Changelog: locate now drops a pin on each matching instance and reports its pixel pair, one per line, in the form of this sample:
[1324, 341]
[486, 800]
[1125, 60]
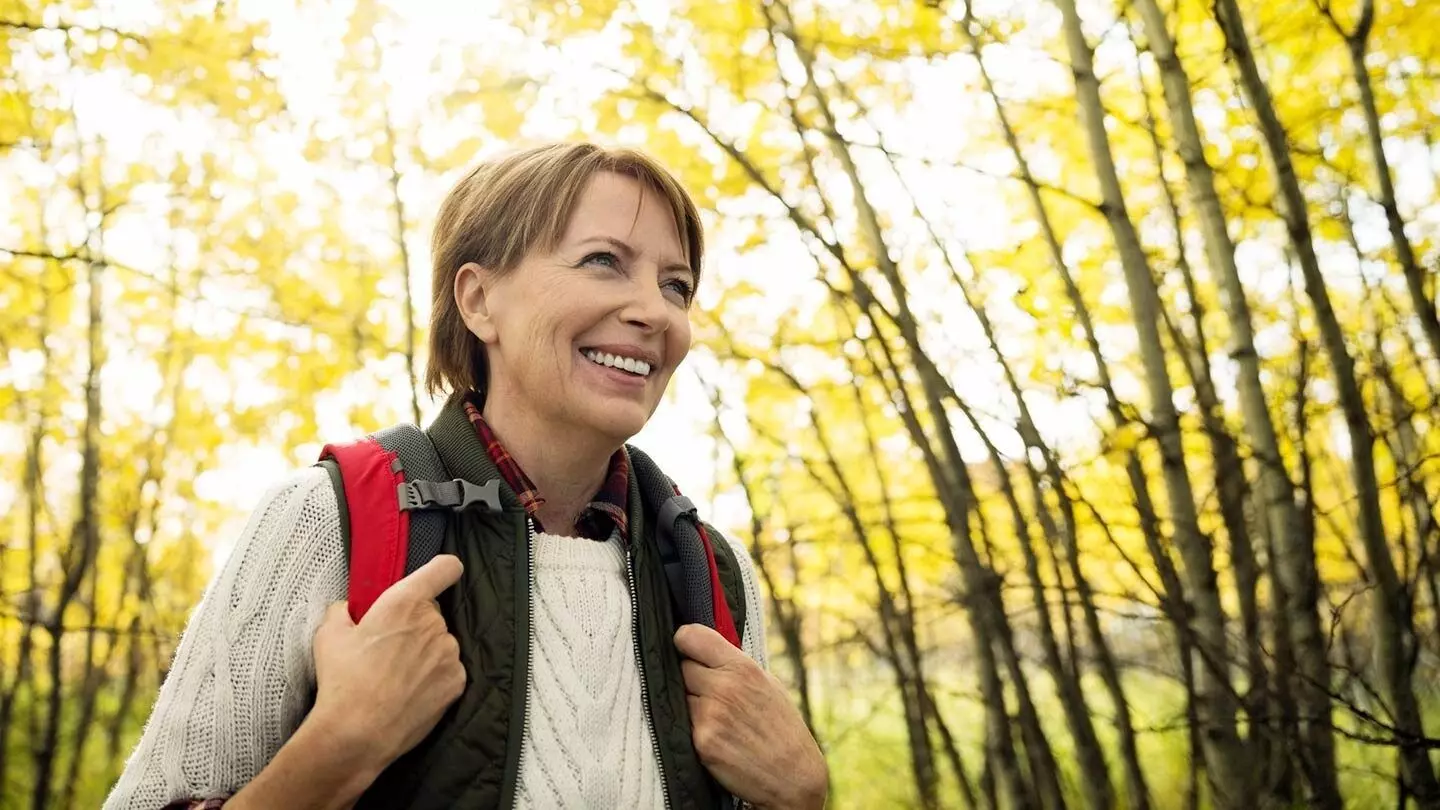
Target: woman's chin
[620, 422]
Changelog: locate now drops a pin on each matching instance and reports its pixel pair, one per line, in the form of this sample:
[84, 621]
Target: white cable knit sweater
[243, 673]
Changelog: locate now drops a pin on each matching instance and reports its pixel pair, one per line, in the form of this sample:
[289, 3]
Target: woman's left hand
[746, 731]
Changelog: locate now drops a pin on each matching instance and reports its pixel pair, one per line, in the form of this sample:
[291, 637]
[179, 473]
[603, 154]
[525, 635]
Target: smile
[639, 368]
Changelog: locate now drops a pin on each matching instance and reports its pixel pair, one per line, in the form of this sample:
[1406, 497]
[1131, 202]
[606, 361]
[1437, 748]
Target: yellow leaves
[16, 116]
[207, 61]
[490, 98]
[367, 19]
[882, 31]
[1119, 443]
[562, 19]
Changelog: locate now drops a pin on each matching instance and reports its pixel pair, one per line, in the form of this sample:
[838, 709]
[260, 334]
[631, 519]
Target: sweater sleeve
[243, 675]
[753, 641]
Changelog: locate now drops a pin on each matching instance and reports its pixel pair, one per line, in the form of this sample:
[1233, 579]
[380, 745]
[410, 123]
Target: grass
[868, 751]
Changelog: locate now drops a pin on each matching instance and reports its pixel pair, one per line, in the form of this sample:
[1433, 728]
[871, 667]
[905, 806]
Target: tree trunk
[1293, 564]
[986, 623]
[951, 477]
[1357, 44]
[1232, 492]
[1064, 585]
[1231, 484]
[1229, 772]
[84, 538]
[1002, 766]
[893, 616]
[793, 632]
[906, 626]
[1405, 447]
[1137, 792]
[987, 779]
[1135, 473]
[1196, 760]
[129, 689]
[952, 751]
[397, 207]
[91, 679]
[1044, 771]
[908, 681]
[30, 604]
[1095, 774]
[1391, 619]
[787, 615]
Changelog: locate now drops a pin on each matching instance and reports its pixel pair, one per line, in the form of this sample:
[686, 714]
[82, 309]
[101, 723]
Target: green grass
[868, 751]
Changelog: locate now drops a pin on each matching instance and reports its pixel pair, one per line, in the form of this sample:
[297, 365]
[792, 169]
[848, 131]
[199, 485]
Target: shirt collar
[606, 512]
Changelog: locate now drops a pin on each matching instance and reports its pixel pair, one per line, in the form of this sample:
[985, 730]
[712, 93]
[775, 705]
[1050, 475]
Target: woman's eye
[603, 257]
[680, 288]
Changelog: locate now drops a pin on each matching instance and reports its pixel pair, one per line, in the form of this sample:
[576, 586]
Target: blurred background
[1069, 366]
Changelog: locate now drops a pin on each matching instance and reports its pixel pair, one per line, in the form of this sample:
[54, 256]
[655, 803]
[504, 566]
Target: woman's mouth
[629, 365]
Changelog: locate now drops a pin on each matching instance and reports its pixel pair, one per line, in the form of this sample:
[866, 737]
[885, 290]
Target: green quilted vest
[472, 758]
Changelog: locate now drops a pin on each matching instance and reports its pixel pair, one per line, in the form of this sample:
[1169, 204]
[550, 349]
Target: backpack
[392, 493]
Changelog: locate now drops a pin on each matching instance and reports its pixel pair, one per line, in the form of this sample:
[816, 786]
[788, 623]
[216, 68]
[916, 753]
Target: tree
[1391, 614]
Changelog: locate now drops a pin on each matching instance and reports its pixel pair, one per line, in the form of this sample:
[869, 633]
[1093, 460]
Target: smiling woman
[543, 658]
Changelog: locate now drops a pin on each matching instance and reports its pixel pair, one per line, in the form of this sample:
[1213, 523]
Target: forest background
[1070, 368]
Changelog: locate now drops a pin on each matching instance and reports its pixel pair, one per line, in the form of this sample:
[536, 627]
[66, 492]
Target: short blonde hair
[514, 204]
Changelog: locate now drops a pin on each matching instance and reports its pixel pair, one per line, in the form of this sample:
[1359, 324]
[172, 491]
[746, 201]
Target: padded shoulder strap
[379, 531]
[732, 582]
[389, 486]
[419, 463]
[685, 548]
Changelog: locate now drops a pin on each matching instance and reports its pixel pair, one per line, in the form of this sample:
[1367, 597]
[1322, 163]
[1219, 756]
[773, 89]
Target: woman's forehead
[623, 209]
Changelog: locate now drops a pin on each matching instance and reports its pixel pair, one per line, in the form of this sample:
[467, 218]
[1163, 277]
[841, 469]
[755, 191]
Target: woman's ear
[472, 297]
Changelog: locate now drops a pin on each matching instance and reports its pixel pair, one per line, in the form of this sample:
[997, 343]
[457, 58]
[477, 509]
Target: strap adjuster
[458, 495]
[674, 508]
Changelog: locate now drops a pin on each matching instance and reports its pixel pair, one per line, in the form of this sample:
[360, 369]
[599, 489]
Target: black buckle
[457, 495]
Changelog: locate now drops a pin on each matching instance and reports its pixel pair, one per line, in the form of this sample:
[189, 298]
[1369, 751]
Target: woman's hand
[383, 684]
[746, 731]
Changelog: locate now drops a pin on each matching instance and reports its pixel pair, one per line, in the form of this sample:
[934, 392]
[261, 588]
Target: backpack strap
[392, 496]
[732, 582]
[689, 557]
[685, 549]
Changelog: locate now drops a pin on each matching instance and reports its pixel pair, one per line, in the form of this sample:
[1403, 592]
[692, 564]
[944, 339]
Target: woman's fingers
[744, 727]
[423, 585]
[338, 614]
[388, 679]
[700, 643]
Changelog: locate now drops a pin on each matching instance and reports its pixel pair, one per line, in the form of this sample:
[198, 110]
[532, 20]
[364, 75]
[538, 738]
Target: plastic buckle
[408, 496]
[457, 495]
[472, 495]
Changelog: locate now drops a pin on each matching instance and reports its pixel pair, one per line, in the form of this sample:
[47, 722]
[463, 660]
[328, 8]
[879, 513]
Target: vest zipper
[644, 680]
[523, 669]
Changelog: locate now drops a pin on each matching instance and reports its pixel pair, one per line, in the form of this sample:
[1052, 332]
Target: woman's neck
[566, 470]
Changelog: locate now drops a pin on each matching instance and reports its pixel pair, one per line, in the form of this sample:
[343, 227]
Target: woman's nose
[647, 307]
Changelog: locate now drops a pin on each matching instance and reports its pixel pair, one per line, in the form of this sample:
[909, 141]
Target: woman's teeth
[630, 364]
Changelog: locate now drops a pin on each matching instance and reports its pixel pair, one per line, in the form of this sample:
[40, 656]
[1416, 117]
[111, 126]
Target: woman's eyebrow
[627, 252]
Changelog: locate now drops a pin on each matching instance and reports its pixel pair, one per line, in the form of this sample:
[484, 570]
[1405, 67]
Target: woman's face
[585, 337]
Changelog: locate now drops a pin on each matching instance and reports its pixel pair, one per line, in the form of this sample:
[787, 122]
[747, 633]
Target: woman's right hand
[383, 683]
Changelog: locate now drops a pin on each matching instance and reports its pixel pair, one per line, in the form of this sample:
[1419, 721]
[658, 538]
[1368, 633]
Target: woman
[563, 278]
